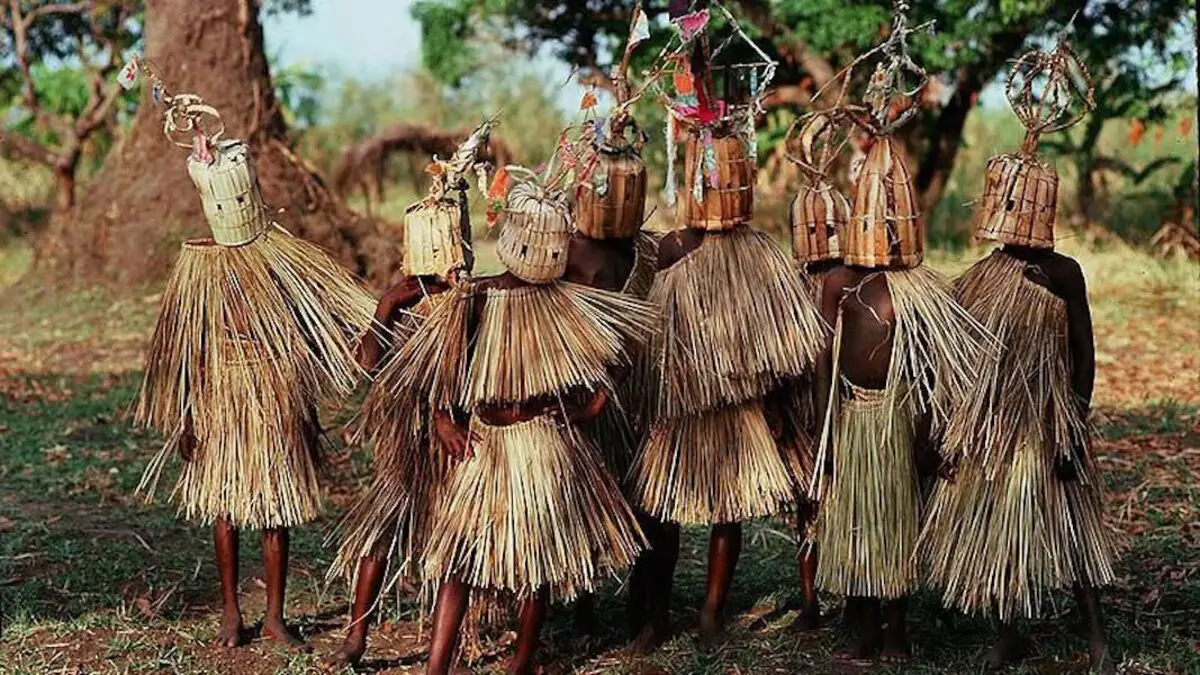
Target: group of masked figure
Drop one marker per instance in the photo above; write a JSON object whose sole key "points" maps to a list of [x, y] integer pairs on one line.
{"points": [[541, 432]]}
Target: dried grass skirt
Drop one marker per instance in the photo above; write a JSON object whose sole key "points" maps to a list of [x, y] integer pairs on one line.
{"points": [[1000, 543], [249, 341], [870, 514], [722, 466], [534, 507]]}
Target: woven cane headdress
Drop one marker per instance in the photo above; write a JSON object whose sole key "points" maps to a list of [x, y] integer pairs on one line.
{"points": [[437, 229], [535, 229], [716, 104], [820, 211], [1048, 91], [885, 229]]}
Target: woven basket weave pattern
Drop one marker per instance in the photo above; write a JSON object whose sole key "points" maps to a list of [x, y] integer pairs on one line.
{"points": [[885, 229], [618, 212], [819, 213], [534, 235], [229, 193], [729, 204], [433, 238], [1019, 200]]}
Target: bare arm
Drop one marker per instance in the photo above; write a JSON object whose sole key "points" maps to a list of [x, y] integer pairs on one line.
{"points": [[402, 296]]}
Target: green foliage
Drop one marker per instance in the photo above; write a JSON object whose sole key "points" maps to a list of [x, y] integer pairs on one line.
{"points": [[298, 88], [445, 28]]}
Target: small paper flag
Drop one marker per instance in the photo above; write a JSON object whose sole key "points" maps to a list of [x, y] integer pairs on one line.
{"points": [[156, 92], [495, 195], [129, 74], [589, 101], [691, 25], [684, 83], [641, 28]]}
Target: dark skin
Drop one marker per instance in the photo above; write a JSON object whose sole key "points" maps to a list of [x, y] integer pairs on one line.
{"points": [[275, 544], [391, 308], [453, 431], [655, 569], [868, 319], [605, 264], [1063, 277]]}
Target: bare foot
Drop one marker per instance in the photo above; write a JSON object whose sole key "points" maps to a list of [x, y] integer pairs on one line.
{"points": [[1009, 649], [810, 617], [279, 632], [349, 654], [230, 633], [711, 631], [1100, 660], [653, 634], [864, 650], [895, 645]]}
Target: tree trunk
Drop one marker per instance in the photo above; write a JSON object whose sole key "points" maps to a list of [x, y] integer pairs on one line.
{"points": [[944, 141], [135, 212], [64, 181]]}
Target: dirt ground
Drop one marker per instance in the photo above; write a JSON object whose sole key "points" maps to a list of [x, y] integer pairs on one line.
{"points": [[93, 580]]}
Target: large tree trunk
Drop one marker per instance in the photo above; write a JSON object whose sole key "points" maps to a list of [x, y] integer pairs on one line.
{"points": [[130, 220]]}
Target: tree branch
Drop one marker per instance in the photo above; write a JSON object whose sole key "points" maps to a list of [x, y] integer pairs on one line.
{"points": [[791, 48], [16, 145]]}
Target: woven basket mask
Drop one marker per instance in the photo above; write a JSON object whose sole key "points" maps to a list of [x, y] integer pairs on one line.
{"points": [[229, 193]]}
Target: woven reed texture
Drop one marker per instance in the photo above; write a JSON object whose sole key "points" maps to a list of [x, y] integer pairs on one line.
{"points": [[715, 349], [548, 339], [618, 210], [818, 214], [433, 238], [721, 466], [731, 202], [534, 507], [871, 508], [1019, 201], [395, 513], [885, 229], [534, 235], [1008, 530], [229, 194], [249, 340]]}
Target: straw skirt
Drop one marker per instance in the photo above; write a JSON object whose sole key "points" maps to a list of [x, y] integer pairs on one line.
{"points": [[534, 507], [870, 515]]}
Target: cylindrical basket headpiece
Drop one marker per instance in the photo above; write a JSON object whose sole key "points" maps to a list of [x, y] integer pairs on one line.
{"points": [[1019, 199], [436, 236], [819, 213], [885, 228], [535, 232], [726, 176], [229, 193], [611, 204]]}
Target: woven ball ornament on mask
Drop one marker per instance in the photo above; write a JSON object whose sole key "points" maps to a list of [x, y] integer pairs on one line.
{"points": [[1048, 91]]}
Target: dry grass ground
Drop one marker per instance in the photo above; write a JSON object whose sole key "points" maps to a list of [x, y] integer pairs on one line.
{"points": [[92, 580]]}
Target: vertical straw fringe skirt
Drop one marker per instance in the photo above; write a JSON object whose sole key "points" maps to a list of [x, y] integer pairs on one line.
{"points": [[393, 517], [1008, 530], [535, 507], [718, 467], [1000, 543], [250, 339], [870, 516]]}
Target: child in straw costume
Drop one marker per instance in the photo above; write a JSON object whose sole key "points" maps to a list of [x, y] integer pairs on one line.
{"points": [[902, 356], [610, 250], [818, 213], [739, 327], [256, 329], [530, 509], [383, 536], [1023, 515]]}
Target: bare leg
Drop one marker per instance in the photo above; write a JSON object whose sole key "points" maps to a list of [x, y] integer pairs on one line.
{"points": [[585, 615], [225, 539], [865, 627], [895, 635], [1010, 647], [533, 612], [724, 548], [448, 614], [366, 593], [276, 542], [806, 564], [1100, 661], [659, 578]]}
